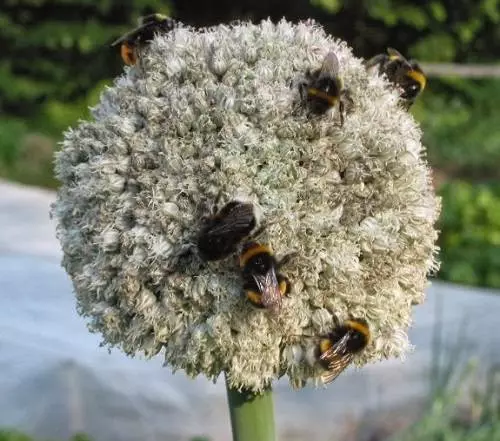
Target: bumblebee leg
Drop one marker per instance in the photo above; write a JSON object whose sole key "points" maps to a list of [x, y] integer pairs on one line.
{"points": [[347, 95], [346, 104], [215, 206], [341, 112], [336, 321], [183, 256], [258, 232], [284, 284], [287, 258], [202, 213], [303, 91], [205, 207], [408, 103]]}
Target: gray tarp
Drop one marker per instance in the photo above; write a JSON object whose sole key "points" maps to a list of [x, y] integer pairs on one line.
{"points": [[55, 379]]}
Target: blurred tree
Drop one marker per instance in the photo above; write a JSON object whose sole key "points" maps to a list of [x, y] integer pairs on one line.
{"points": [[56, 51], [470, 233], [459, 122], [437, 30]]}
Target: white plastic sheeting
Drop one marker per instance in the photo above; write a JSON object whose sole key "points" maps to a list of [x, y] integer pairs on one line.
{"points": [[55, 379]]}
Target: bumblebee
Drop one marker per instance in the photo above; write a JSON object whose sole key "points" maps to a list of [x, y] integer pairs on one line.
{"points": [[337, 349], [324, 89], [148, 26], [264, 286], [225, 229], [405, 74]]}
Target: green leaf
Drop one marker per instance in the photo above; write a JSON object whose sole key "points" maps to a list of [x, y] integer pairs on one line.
{"points": [[414, 16], [331, 6], [438, 47], [467, 31], [491, 8], [438, 11]]}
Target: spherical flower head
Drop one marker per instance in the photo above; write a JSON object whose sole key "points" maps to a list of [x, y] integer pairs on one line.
{"points": [[216, 112]]}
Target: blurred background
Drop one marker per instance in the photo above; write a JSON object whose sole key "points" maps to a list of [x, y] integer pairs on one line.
{"points": [[55, 60]]}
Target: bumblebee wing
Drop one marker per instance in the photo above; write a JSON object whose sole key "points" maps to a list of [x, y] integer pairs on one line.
{"points": [[145, 23], [337, 358], [129, 34], [269, 287], [159, 22], [415, 66], [151, 18], [394, 54], [237, 219], [331, 65], [376, 60]]}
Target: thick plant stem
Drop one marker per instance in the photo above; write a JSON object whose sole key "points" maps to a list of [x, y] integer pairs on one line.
{"points": [[252, 415]]}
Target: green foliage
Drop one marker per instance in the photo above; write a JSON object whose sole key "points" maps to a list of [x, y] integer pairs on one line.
{"points": [[12, 130], [14, 435], [452, 417], [80, 437], [25, 157], [463, 403], [332, 6], [436, 47], [7, 435], [436, 30], [470, 233], [55, 61], [459, 119], [439, 425], [58, 51]]}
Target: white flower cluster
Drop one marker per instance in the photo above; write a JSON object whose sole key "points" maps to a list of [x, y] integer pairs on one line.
{"points": [[213, 112]]}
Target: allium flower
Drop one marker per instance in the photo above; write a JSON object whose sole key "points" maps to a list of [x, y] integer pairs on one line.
{"points": [[215, 112]]}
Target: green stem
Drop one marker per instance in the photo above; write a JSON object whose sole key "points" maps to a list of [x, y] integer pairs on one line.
{"points": [[252, 415]]}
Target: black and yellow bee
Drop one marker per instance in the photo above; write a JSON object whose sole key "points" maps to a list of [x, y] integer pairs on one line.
{"points": [[225, 229], [337, 349], [264, 286], [323, 88], [148, 26], [405, 74]]}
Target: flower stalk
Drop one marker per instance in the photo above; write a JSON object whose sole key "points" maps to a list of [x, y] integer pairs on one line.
{"points": [[252, 414]]}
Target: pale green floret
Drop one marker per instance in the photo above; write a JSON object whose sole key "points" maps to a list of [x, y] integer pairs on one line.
{"points": [[212, 111]]}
